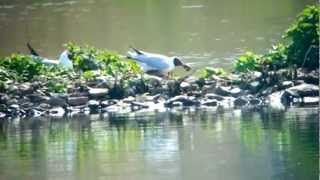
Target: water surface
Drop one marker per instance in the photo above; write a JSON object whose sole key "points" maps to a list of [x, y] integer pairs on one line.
{"points": [[206, 32], [246, 145]]}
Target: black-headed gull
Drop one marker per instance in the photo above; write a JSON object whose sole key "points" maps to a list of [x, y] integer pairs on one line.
{"points": [[156, 64], [63, 60]]}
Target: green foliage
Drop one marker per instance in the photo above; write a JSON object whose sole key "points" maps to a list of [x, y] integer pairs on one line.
{"points": [[57, 86], [89, 75], [23, 67], [209, 72], [248, 62], [301, 47], [303, 36], [109, 63], [276, 56]]}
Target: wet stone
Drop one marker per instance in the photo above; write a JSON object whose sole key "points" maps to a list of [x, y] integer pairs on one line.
{"points": [[78, 101], [214, 96], [57, 101], [94, 105], [240, 101], [254, 86], [35, 98], [255, 102], [185, 100], [236, 92], [210, 103]]}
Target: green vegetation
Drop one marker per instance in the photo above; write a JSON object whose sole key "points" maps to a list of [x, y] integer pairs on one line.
{"points": [[20, 68], [209, 71], [88, 64], [300, 47], [109, 63]]}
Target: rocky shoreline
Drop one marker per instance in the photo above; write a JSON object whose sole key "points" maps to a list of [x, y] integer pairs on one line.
{"points": [[253, 89]]}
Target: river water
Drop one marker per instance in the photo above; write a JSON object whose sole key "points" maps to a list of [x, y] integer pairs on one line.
{"points": [[187, 144], [203, 32]]}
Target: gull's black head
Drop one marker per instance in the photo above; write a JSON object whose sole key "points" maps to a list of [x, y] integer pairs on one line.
{"points": [[178, 62]]}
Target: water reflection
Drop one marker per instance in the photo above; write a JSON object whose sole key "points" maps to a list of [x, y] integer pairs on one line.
{"points": [[169, 145]]}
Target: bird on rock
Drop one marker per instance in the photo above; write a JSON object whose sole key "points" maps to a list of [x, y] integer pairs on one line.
{"points": [[64, 58], [156, 64]]}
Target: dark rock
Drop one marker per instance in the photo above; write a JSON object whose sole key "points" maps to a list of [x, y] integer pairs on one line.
{"points": [[223, 91], [44, 106], [94, 105], [27, 105], [14, 109], [3, 108], [209, 103], [78, 101], [240, 101], [255, 102], [185, 100], [214, 96], [57, 100], [310, 77], [4, 98], [254, 86], [34, 113], [286, 84], [303, 90], [36, 98], [267, 91], [25, 88]]}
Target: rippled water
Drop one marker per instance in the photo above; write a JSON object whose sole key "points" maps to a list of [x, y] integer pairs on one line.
{"points": [[201, 31], [247, 145]]}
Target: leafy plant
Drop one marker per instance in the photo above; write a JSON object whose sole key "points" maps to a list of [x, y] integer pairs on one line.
{"points": [[303, 36], [301, 46], [88, 58], [247, 62], [23, 67], [57, 86], [276, 56], [89, 75]]}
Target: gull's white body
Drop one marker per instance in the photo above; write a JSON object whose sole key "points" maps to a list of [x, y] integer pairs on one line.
{"points": [[153, 62], [63, 60]]}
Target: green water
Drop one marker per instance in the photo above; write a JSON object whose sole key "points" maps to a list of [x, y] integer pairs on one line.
{"points": [[203, 32], [245, 145]]}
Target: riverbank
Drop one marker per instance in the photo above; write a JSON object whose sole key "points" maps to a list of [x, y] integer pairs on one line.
{"points": [[102, 81], [33, 99]]}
